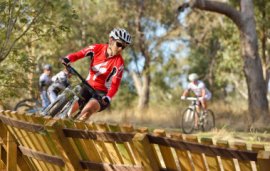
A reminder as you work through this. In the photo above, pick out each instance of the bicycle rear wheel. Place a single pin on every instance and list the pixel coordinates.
(28, 105)
(188, 120)
(209, 120)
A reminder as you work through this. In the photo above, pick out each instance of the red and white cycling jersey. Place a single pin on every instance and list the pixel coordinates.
(105, 74)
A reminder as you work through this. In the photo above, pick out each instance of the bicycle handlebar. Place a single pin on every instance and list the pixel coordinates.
(191, 98)
(73, 71)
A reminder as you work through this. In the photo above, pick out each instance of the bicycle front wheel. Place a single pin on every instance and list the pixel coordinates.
(208, 121)
(56, 106)
(188, 120)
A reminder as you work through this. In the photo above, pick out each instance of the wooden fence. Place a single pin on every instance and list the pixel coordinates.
(40, 144)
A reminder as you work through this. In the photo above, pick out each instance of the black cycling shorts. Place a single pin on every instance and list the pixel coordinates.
(86, 96)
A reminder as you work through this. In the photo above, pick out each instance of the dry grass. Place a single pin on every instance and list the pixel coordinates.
(231, 121)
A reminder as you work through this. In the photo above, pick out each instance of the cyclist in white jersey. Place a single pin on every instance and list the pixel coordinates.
(59, 82)
(199, 89)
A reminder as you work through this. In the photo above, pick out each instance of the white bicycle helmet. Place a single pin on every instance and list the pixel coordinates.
(122, 34)
(193, 77)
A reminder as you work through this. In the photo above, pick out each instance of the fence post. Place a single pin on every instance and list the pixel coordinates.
(69, 155)
(144, 152)
(11, 153)
(183, 155)
(263, 160)
(166, 152)
(212, 161)
(197, 158)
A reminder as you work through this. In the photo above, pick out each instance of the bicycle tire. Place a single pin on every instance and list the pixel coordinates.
(64, 111)
(54, 108)
(188, 120)
(209, 121)
(28, 105)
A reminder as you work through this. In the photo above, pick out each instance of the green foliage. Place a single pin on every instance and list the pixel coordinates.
(27, 28)
(63, 27)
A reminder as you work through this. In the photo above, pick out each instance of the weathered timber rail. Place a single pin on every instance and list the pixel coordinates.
(31, 142)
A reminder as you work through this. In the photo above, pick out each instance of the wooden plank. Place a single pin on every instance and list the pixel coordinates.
(212, 161)
(196, 157)
(4, 156)
(183, 156)
(244, 155)
(11, 153)
(144, 152)
(48, 144)
(21, 124)
(2, 164)
(22, 161)
(110, 167)
(22, 137)
(76, 143)
(127, 128)
(244, 165)
(99, 135)
(42, 156)
(227, 163)
(166, 152)
(41, 137)
(89, 145)
(257, 148)
(111, 146)
(103, 152)
(122, 147)
(31, 134)
(145, 130)
(263, 160)
(68, 154)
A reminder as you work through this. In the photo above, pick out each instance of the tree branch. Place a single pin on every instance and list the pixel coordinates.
(2, 57)
(214, 6)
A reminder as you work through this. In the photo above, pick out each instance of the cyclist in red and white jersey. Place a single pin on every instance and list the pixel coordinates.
(105, 72)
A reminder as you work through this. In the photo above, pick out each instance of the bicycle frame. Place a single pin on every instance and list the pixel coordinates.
(73, 71)
(68, 97)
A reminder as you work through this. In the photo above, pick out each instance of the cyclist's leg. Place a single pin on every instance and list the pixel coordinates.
(203, 101)
(91, 107)
(52, 95)
(84, 97)
(74, 109)
(44, 98)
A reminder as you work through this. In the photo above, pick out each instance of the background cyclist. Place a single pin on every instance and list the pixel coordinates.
(199, 89)
(59, 82)
(105, 72)
(44, 82)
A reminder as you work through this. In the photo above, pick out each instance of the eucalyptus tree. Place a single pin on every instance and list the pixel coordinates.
(261, 8)
(252, 66)
(145, 19)
(214, 52)
(27, 30)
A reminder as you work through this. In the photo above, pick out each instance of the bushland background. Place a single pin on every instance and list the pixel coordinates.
(227, 42)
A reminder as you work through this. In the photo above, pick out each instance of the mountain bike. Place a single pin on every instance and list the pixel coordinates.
(205, 119)
(62, 106)
(32, 105)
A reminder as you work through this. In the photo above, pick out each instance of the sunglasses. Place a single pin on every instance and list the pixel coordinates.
(121, 45)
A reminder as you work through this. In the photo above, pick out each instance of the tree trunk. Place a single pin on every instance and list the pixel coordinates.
(258, 104)
(142, 84)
